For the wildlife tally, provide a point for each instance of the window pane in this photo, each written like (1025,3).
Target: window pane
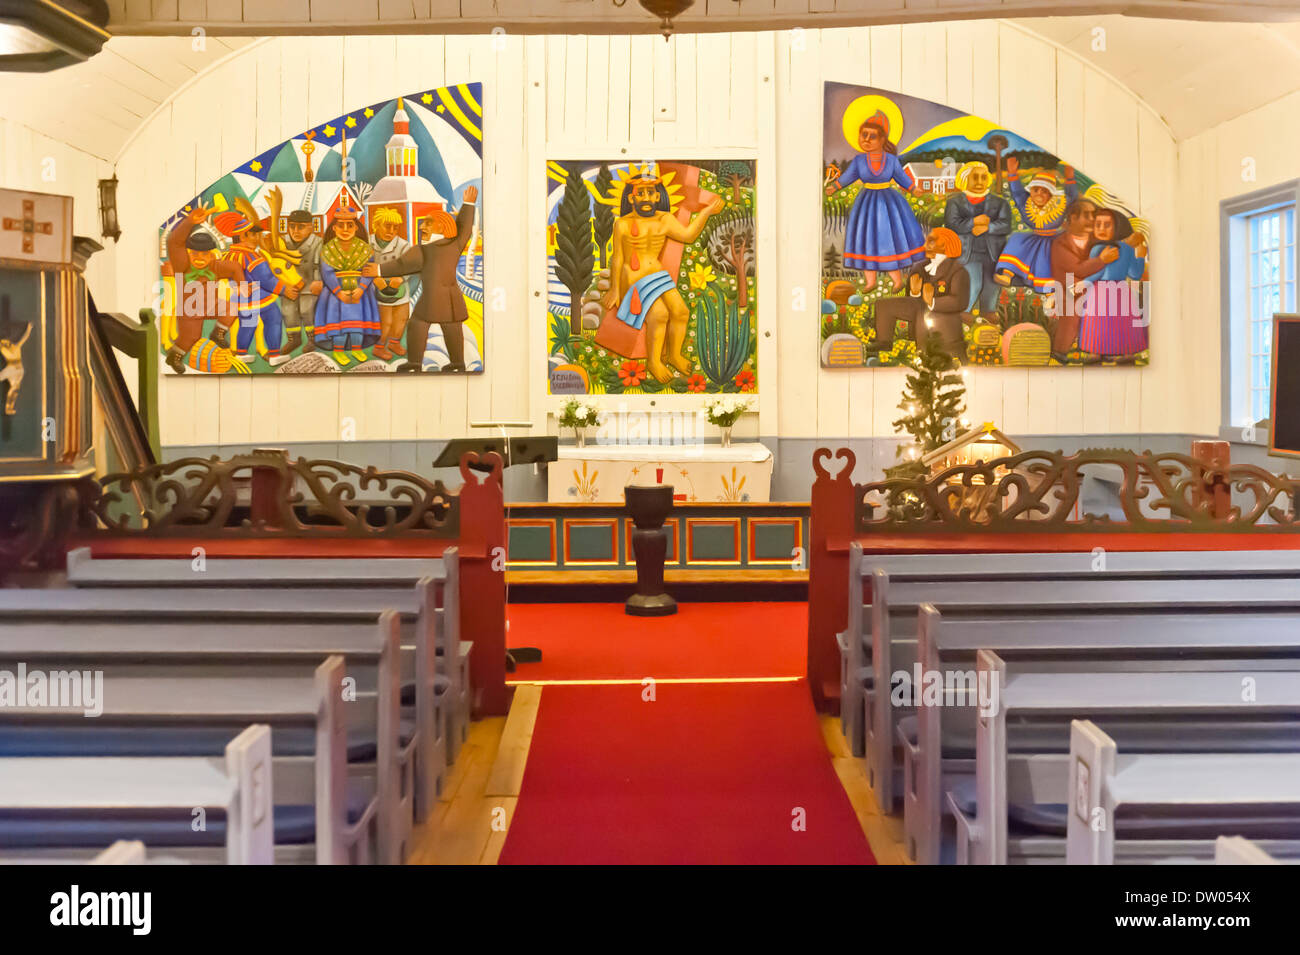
(1264,258)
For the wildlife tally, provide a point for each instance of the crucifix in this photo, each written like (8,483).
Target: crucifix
(11,352)
(8,327)
(28,226)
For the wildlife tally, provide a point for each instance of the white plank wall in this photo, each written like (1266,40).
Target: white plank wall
(1210,169)
(753,95)
(36,163)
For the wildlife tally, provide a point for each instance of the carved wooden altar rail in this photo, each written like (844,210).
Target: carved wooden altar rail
(1031,502)
(265,504)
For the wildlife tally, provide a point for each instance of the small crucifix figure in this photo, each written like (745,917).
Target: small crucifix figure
(11,353)
(28,226)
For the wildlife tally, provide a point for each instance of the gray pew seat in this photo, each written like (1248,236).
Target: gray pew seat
(45,803)
(312,585)
(292,825)
(1189,822)
(166,697)
(1010,578)
(1137,734)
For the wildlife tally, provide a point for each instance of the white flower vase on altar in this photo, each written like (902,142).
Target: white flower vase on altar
(723,412)
(578,416)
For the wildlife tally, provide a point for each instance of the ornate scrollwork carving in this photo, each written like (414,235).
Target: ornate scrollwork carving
(1041,491)
(269,493)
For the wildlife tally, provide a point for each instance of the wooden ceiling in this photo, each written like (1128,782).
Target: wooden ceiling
(1195,74)
(265,17)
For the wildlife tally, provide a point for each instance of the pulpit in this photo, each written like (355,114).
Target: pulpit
(648,507)
(46,390)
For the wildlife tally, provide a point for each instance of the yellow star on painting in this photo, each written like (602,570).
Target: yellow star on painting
(369,112)
(255,166)
(350,122)
(329,131)
(426,99)
(441,108)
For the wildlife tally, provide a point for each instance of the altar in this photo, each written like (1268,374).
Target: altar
(702,473)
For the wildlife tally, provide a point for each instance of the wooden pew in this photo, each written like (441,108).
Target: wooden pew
(1193,514)
(940,570)
(1061,695)
(376,584)
(122,852)
(1237,850)
(188,704)
(265,505)
(893,635)
(240,785)
(1102,780)
(1169,633)
(33,625)
(420,623)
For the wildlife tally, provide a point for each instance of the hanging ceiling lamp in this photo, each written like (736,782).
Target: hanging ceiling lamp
(665,10)
(37,36)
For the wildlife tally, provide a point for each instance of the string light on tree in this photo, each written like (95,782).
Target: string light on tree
(933,397)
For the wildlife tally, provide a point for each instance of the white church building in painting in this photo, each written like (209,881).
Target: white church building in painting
(403,188)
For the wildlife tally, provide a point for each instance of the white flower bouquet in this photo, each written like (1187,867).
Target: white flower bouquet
(577,415)
(725,410)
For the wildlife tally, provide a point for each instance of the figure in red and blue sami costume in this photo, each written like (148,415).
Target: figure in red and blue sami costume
(882,233)
(1027,258)
(257,296)
(347,314)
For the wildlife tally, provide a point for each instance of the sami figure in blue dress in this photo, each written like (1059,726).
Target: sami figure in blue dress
(1026,260)
(882,234)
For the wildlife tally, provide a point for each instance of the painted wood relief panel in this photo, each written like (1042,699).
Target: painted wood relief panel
(651,277)
(356,246)
(937,222)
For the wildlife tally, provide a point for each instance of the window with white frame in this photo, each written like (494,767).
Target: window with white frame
(1259,268)
(1270,271)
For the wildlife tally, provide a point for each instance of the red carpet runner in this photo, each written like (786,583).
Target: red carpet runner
(732,773)
(702,640)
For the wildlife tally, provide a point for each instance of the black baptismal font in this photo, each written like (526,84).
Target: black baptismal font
(649,506)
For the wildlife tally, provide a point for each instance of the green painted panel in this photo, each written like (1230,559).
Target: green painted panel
(591,542)
(774,542)
(530,543)
(712,542)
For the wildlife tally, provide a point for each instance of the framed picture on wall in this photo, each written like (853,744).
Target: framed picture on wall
(939,223)
(353,247)
(651,277)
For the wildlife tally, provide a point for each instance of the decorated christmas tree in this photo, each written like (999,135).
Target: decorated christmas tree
(932,407)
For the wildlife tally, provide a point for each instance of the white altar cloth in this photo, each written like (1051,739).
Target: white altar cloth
(698,473)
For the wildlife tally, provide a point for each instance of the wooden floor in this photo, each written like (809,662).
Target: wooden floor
(478,799)
(884,833)
(469,825)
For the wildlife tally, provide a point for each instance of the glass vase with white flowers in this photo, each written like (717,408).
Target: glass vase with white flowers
(579,415)
(725,412)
